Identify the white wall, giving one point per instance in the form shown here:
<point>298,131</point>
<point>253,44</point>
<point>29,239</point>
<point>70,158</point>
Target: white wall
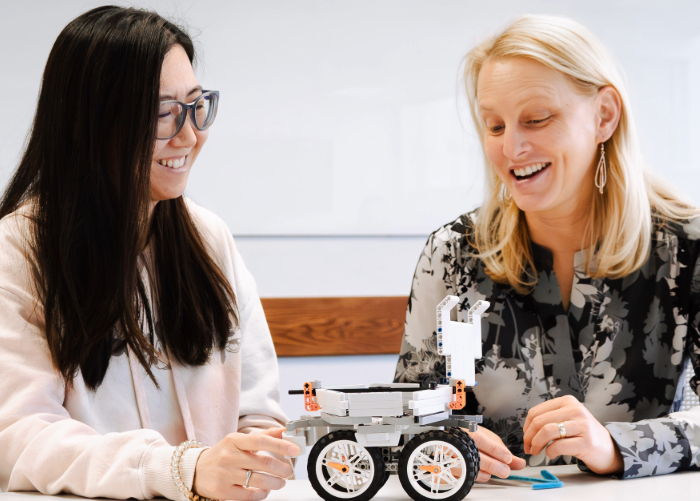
<point>342,120</point>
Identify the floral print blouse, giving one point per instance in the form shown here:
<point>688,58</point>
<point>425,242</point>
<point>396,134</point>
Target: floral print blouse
<point>621,348</point>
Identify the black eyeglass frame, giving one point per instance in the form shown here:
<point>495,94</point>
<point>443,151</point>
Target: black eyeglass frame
<point>189,109</point>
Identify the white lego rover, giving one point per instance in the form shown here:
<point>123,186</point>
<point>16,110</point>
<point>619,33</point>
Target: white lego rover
<point>365,434</point>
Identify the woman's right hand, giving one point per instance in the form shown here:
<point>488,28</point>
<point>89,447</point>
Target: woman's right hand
<point>496,459</point>
<point>221,471</point>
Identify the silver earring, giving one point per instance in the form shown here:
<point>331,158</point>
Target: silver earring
<point>601,173</point>
<point>505,194</point>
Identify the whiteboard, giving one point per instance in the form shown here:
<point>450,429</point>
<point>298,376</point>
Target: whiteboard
<point>347,118</point>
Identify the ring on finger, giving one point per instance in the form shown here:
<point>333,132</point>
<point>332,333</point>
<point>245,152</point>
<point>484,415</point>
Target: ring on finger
<point>247,478</point>
<point>562,430</point>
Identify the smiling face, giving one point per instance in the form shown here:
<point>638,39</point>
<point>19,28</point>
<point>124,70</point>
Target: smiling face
<point>541,134</point>
<point>177,82</point>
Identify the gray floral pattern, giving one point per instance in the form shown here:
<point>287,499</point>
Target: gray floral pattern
<point>621,348</point>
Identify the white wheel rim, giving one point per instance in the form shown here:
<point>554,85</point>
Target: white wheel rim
<point>360,469</point>
<point>437,455</point>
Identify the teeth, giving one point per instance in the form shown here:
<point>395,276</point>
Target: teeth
<point>174,164</point>
<point>530,169</point>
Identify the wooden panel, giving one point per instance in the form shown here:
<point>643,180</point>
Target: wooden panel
<point>336,325</point>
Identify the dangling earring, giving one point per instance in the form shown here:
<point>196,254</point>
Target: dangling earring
<point>505,194</point>
<point>601,173</point>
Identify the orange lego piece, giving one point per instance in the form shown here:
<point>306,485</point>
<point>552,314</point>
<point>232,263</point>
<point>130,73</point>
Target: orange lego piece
<point>339,466</point>
<point>310,403</point>
<point>460,400</point>
<point>434,469</point>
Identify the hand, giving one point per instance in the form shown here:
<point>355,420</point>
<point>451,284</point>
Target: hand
<point>586,439</point>
<point>496,459</point>
<point>221,471</point>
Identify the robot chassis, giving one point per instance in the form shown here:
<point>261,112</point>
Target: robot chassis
<point>365,434</point>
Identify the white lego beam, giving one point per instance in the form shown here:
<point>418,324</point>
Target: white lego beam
<point>460,342</point>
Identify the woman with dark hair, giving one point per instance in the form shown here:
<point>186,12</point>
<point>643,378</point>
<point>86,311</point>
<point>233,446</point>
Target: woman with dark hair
<point>128,321</point>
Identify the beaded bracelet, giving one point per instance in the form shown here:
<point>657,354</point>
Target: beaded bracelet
<point>189,444</point>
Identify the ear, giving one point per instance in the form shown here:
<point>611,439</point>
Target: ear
<point>608,108</point>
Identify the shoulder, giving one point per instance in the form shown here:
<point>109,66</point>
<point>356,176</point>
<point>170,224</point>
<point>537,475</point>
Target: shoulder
<point>16,232</point>
<point>689,230</point>
<point>453,235</point>
<point>212,228</point>
<point>676,234</point>
<point>206,221</point>
<point>222,248</point>
<point>16,258</point>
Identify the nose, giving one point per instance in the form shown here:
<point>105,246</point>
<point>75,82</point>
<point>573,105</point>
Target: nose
<point>515,143</point>
<point>186,138</point>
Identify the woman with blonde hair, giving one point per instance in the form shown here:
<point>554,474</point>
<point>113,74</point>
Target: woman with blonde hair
<point>591,265</point>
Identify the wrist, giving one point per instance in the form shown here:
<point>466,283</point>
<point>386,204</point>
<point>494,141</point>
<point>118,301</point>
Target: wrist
<point>614,467</point>
<point>618,461</point>
<point>180,450</point>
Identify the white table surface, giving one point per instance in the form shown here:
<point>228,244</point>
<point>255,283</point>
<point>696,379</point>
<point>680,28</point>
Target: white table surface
<point>578,486</point>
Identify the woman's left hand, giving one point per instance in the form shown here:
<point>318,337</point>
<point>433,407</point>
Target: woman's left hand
<point>586,439</point>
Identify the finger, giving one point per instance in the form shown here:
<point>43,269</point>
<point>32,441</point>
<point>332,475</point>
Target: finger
<point>548,406</point>
<point>492,447</point>
<point>552,417</point>
<point>487,432</point>
<point>258,480</point>
<point>236,492</point>
<point>517,463</point>
<point>483,477</point>
<point>550,432</point>
<point>260,462</point>
<point>494,466</point>
<point>274,432</point>
<point>262,442</point>
<point>566,447</point>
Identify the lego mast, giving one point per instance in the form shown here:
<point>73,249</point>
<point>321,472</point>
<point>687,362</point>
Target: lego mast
<point>460,342</point>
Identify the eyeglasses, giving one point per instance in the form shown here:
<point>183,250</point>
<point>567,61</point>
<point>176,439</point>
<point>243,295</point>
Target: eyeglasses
<point>172,114</point>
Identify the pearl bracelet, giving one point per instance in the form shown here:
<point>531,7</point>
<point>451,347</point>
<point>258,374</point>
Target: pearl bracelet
<point>175,465</point>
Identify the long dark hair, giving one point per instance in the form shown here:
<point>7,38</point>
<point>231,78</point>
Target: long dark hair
<point>86,175</point>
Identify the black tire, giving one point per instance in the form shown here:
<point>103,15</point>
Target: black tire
<point>457,440</point>
<point>474,450</point>
<point>316,468</point>
<point>386,478</point>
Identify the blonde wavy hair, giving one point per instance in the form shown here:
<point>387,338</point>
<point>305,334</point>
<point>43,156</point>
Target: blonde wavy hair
<point>620,224</point>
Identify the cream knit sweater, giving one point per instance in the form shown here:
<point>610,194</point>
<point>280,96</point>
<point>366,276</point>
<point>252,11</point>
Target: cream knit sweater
<point>117,442</point>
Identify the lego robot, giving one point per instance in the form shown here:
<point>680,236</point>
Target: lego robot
<point>364,434</point>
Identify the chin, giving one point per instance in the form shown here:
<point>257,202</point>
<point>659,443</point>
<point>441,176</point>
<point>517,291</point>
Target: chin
<point>161,197</point>
<point>532,204</point>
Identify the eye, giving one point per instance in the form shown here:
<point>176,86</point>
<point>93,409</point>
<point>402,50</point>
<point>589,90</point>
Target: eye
<point>540,120</point>
<point>496,129</point>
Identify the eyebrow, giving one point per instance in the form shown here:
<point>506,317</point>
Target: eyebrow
<point>537,98</point>
<point>168,97</point>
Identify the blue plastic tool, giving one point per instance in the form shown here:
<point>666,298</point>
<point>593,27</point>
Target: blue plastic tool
<point>548,481</point>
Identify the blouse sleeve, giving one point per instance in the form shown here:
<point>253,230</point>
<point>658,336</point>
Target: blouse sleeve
<point>418,358</point>
<point>672,443</point>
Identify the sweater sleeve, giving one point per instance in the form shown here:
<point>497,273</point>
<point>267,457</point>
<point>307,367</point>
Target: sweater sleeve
<point>672,443</point>
<point>260,391</point>
<point>43,449</point>
<point>418,358</point>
